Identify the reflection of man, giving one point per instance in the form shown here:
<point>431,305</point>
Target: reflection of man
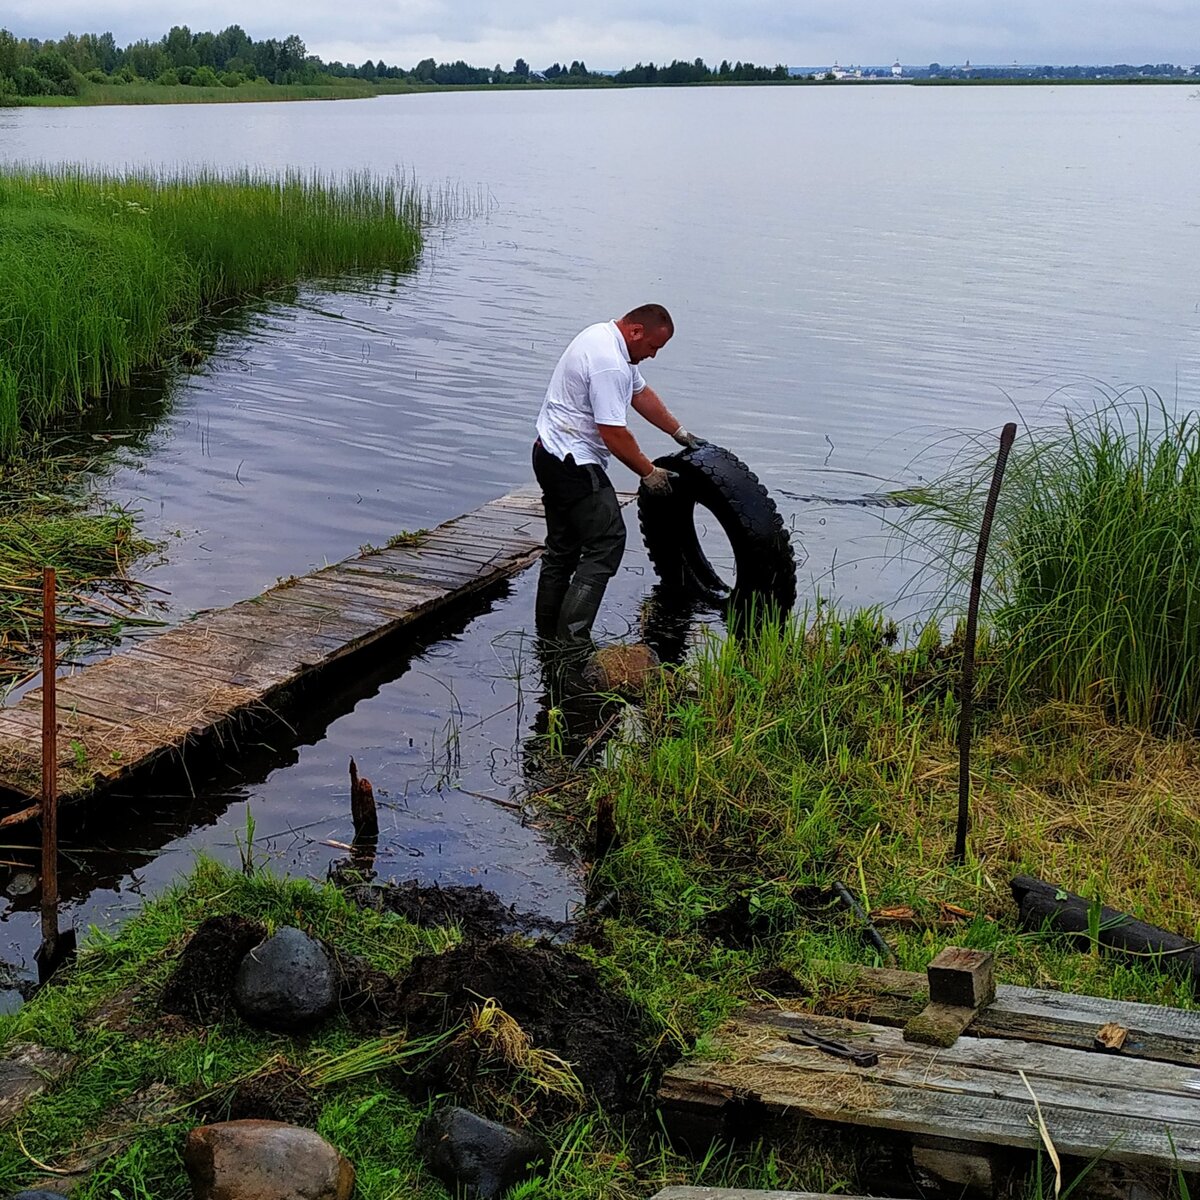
<point>583,421</point>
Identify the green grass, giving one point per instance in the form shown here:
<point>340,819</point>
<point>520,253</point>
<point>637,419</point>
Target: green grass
<point>1094,569</point>
<point>105,274</point>
<point>800,757</point>
<point>362,1114</point>
<point>153,93</point>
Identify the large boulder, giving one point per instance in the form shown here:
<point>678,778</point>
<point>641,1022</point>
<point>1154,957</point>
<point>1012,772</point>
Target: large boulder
<point>480,1157</point>
<point>264,1160</point>
<point>286,983</point>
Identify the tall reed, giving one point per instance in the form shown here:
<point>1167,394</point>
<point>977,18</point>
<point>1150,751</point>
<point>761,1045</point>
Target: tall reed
<point>104,273</point>
<point>1094,588</point>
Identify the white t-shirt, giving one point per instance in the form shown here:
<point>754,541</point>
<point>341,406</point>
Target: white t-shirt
<point>592,385</point>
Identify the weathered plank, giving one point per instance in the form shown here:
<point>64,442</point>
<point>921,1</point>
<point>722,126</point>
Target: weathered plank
<point>979,1090</point>
<point>889,997</point>
<point>125,713</point>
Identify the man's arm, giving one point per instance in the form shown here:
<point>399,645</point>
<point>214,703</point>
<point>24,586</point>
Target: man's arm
<point>647,403</point>
<point>623,446</point>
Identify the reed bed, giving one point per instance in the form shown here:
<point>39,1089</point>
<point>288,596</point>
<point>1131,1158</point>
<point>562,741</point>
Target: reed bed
<point>106,273</point>
<point>1093,592</point>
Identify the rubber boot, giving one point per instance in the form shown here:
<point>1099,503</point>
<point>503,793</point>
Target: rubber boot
<point>578,612</point>
<point>548,605</point>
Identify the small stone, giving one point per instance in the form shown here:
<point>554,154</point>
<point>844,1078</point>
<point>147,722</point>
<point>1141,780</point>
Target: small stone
<point>286,983</point>
<point>21,883</point>
<point>484,1158</point>
<point>264,1160</point>
<point>624,669</point>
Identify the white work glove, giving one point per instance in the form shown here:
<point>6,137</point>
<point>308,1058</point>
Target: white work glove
<point>688,440</point>
<point>657,481</point>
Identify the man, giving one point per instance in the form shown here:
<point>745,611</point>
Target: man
<point>582,421</point>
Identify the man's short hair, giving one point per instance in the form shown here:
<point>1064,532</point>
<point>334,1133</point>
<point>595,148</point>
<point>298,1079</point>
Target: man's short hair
<point>653,316</point>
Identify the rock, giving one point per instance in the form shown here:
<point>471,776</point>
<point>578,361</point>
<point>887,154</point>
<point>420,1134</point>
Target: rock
<point>264,1160</point>
<point>39,1194</point>
<point>625,669</point>
<point>286,983</point>
<point>482,1157</point>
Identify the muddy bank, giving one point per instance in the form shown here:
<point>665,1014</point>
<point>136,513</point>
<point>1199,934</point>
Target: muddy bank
<point>508,1026</point>
<point>478,913</point>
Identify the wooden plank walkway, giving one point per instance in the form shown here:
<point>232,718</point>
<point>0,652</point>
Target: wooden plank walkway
<point>125,713</point>
<point>981,1090</point>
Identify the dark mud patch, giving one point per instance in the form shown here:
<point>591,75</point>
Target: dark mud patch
<point>278,1095</point>
<point>479,913</point>
<point>745,921</point>
<point>560,1003</point>
<point>776,981</point>
<point>201,986</point>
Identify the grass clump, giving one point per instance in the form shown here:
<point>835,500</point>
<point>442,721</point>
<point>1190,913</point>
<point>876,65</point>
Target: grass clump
<point>106,273</point>
<point>1094,568</point>
<point>47,520</point>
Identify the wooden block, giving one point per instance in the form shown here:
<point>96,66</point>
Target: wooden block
<point>962,978</point>
<point>938,1024</point>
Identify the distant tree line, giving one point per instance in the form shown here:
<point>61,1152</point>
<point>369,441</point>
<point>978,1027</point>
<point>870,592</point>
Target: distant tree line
<point>230,58</point>
<point>32,67</point>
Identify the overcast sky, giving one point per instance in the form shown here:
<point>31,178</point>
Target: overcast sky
<point>615,33</point>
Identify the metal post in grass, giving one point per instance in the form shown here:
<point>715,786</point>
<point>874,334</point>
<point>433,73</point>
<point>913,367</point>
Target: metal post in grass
<point>966,703</point>
<point>48,951</point>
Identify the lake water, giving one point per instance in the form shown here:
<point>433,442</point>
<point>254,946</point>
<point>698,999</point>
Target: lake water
<point>858,276</point>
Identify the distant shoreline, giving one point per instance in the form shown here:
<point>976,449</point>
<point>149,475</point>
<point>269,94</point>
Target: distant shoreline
<point>104,95</point>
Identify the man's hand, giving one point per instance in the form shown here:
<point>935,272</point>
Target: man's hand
<point>688,440</point>
<point>657,481</point>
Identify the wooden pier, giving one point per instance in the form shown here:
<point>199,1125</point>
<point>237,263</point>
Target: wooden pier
<point>123,714</point>
<point>1029,1070</point>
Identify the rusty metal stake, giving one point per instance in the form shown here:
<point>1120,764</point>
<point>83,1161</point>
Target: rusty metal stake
<point>49,761</point>
<point>966,713</point>
<point>57,945</point>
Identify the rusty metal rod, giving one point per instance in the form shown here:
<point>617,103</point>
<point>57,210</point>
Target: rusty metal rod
<point>49,761</point>
<point>966,714</point>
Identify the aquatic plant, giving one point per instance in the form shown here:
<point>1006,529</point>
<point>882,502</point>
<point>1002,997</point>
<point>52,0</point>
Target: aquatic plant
<point>1093,589</point>
<point>104,274</point>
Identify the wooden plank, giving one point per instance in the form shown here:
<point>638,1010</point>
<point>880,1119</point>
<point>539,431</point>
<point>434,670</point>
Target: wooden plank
<point>158,695</point>
<point>449,582</point>
<point>412,597</point>
<point>890,997</point>
<point>962,1114</point>
<point>973,1091</point>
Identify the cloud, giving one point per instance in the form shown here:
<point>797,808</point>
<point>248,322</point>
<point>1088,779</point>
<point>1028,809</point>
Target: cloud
<point>614,33</point>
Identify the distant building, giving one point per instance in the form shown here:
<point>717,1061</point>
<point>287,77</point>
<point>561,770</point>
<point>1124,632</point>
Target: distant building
<point>897,69</point>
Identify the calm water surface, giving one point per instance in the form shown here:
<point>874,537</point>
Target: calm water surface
<point>855,273</point>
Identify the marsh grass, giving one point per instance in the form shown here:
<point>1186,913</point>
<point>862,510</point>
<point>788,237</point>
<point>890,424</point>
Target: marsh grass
<point>105,274</point>
<point>47,520</point>
<point>1093,590</point>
